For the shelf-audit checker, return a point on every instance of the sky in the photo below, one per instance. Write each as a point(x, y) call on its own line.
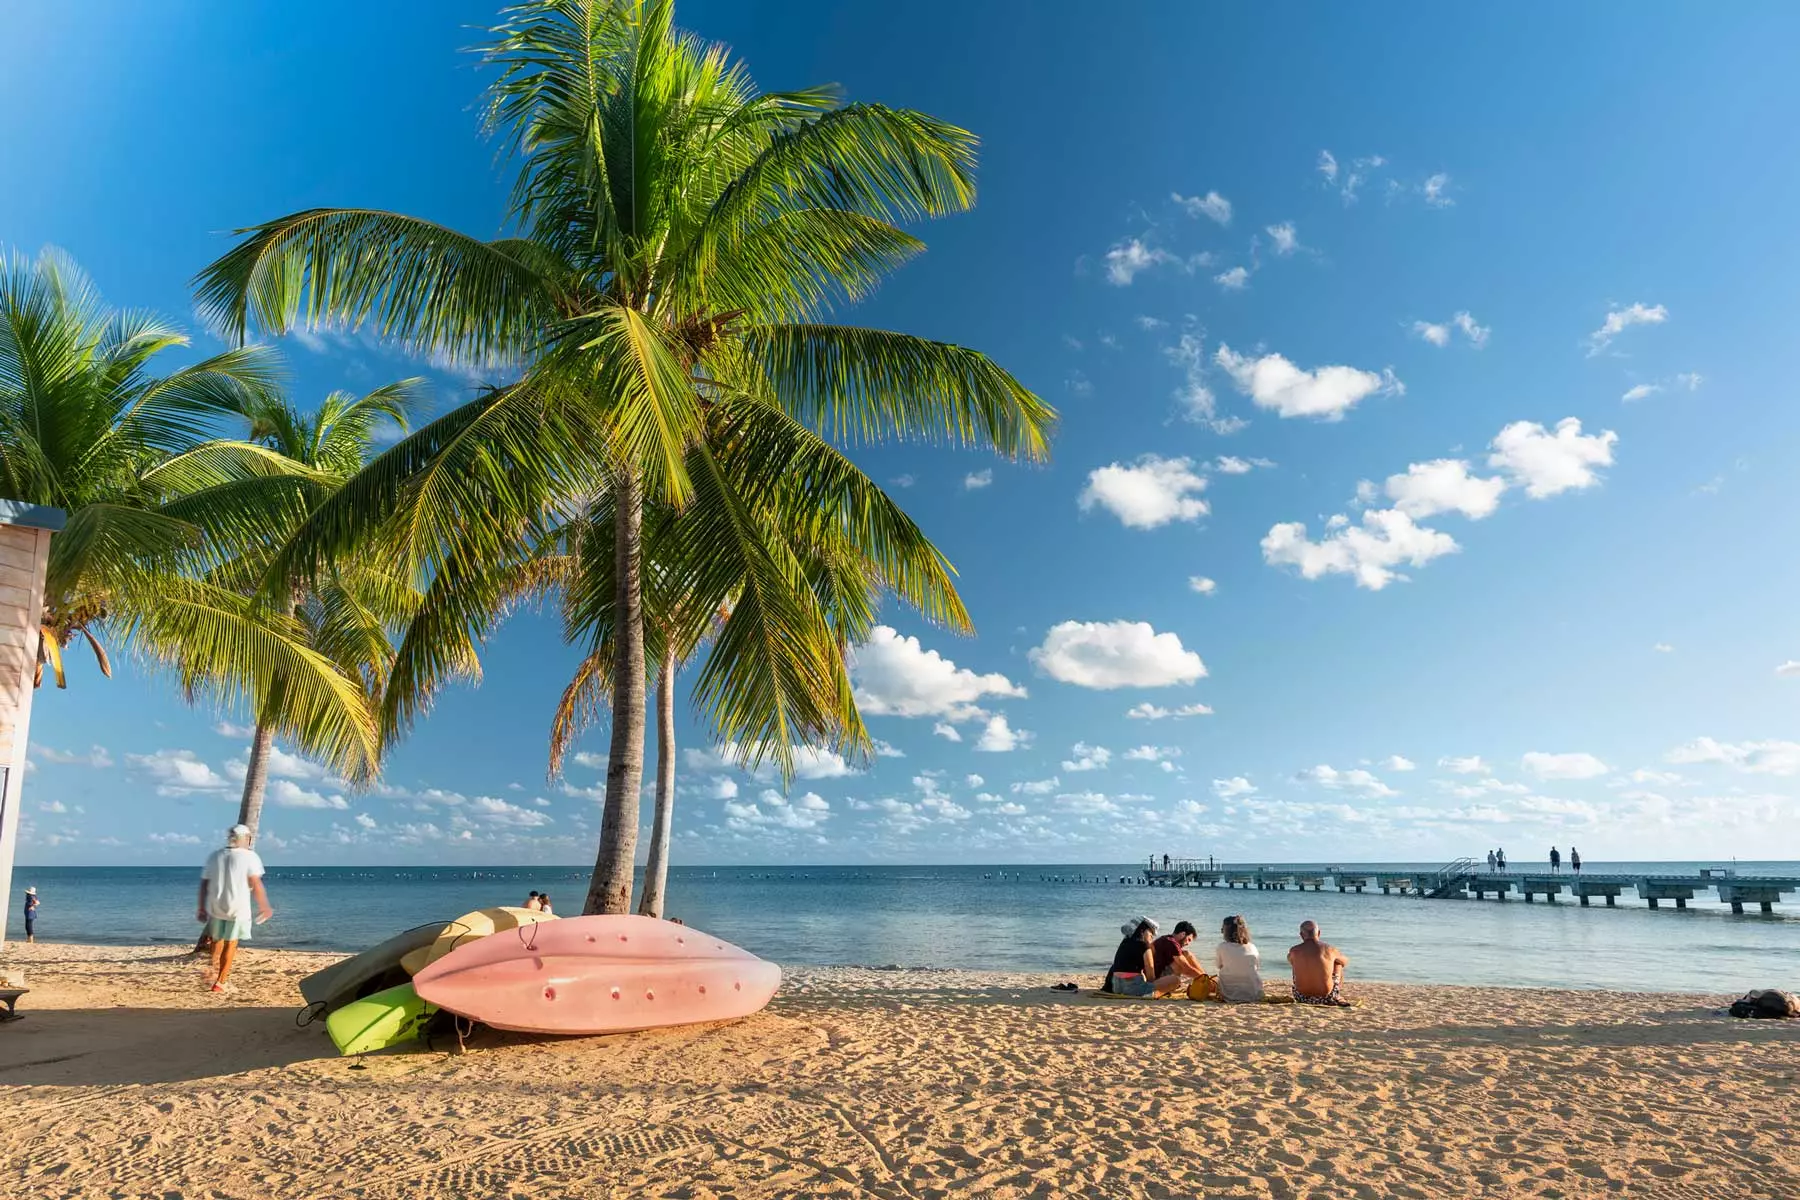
point(1424, 482)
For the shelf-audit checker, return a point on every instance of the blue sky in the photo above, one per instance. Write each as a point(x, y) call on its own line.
point(1358, 276)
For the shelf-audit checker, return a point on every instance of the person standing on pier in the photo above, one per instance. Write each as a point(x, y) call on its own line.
point(1574, 860)
point(1490, 862)
point(1500, 858)
point(1555, 861)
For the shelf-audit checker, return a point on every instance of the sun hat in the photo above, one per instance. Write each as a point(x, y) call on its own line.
point(1130, 927)
point(31, 891)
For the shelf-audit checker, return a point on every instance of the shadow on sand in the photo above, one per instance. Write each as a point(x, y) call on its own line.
point(77, 1047)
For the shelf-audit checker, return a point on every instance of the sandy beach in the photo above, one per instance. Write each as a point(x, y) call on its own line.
point(127, 1080)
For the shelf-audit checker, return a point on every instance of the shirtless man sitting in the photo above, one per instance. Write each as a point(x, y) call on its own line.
point(1318, 969)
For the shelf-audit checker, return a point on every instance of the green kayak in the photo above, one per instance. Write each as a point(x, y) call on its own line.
point(376, 1022)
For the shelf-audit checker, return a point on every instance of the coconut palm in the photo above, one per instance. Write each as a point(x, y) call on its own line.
point(679, 240)
point(88, 425)
point(351, 611)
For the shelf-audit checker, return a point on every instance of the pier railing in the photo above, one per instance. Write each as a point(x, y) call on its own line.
point(1450, 877)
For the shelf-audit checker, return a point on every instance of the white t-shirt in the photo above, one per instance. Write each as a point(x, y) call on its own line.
point(1240, 976)
point(228, 874)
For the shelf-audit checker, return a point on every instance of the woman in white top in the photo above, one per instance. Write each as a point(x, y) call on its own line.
point(1240, 976)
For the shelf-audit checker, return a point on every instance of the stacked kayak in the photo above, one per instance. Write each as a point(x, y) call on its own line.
point(518, 970)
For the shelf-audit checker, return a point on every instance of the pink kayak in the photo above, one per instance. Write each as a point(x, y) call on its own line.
point(598, 975)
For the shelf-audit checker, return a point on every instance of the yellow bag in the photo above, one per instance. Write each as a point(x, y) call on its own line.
point(1203, 988)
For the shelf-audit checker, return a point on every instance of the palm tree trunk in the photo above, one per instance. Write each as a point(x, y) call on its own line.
point(656, 868)
point(256, 777)
point(610, 889)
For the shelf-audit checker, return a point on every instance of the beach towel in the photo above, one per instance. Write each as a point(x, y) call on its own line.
point(1770, 1003)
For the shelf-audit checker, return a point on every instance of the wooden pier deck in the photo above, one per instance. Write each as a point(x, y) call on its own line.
point(1465, 880)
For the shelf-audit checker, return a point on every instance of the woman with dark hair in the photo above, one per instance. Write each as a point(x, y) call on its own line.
point(1239, 962)
point(1133, 970)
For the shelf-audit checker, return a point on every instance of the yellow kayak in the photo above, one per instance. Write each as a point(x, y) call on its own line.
point(483, 922)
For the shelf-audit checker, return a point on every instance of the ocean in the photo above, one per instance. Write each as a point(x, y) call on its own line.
point(1063, 919)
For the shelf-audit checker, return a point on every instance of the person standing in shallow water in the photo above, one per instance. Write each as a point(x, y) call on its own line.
point(31, 911)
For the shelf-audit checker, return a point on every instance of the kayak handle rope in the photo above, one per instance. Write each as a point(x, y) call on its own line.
point(312, 1012)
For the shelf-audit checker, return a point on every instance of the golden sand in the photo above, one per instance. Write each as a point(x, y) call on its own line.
point(127, 1080)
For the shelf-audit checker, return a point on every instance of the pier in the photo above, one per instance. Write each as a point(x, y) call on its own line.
point(1464, 879)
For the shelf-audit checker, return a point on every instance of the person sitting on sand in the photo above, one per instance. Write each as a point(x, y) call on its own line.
point(227, 882)
point(1318, 969)
point(1172, 956)
point(1240, 963)
point(1133, 970)
point(544, 905)
point(535, 903)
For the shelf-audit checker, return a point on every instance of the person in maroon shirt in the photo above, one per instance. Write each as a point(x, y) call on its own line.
point(1172, 956)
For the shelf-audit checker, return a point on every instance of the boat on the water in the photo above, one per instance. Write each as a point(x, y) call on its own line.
point(598, 974)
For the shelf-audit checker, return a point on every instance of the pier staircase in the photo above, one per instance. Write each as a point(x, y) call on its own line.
point(1449, 879)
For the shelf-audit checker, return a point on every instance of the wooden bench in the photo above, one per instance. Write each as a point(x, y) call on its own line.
point(10, 998)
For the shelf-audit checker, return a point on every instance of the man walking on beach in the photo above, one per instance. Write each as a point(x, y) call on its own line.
point(1318, 969)
point(228, 881)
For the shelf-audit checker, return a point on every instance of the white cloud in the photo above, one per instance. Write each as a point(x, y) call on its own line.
point(1663, 648)
point(904, 481)
point(1115, 654)
point(1133, 256)
point(1436, 189)
point(1790, 667)
point(1228, 464)
point(1087, 758)
point(1234, 280)
point(722, 787)
point(1386, 538)
point(810, 762)
point(1640, 391)
point(978, 479)
point(366, 821)
point(1150, 324)
point(1328, 166)
point(1563, 766)
point(1201, 585)
point(1212, 205)
point(1198, 404)
point(1470, 765)
point(1037, 787)
point(173, 839)
point(886, 749)
point(1151, 492)
point(227, 729)
point(1327, 393)
point(1285, 237)
point(1758, 758)
point(806, 813)
point(593, 761)
point(997, 737)
point(1152, 753)
point(894, 675)
point(946, 731)
point(1356, 780)
point(1444, 485)
point(177, 772)
point(285, 793)
point(1152, 712)
point(1439, 335)
point(1618, 320)
point(1010, 809)
point(974, 781)
point(96, 756)
point(1544, 463)
point(1395, 762)
point(1237, 785)
point(1691, 380)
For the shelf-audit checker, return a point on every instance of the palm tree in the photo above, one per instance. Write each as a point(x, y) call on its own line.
point(679, 239)
point(89, 426)
point(349, 612)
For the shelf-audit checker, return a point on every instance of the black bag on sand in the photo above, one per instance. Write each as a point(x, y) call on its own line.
point(1771, 1003)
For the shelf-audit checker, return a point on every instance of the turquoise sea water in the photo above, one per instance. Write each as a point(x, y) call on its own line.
point(1049, 918)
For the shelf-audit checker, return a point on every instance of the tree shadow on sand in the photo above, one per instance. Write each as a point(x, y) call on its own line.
point(87, 1047)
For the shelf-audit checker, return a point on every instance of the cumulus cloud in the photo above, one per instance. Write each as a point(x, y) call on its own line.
point(1153, 712)
point(1212, 206)
point(1036, 787)
point(177, 772)
point(1436, 190)
point(1087, 758)
point(1369, 553)
point(1563, 766)
point(1472, 764)
point(1363, 783)
point(1439, 334)
point(1237, 785)
point(1757, 758)
point(1326, 393)
point(1395, 762)
point(1284, 236)
point(894, 675)
point(1444, 485)
point(1618, 320)
point(997, 737)
point(1790, 667)
point(1151, 492)
point(810, 762)
point(1201, 585)
point(946, 731)
point(1115, 654)
point(95, 756)
point(976, 480)
point(1233, 280)
point(1546, 463)
point(285, 793)
point(1198, 404)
